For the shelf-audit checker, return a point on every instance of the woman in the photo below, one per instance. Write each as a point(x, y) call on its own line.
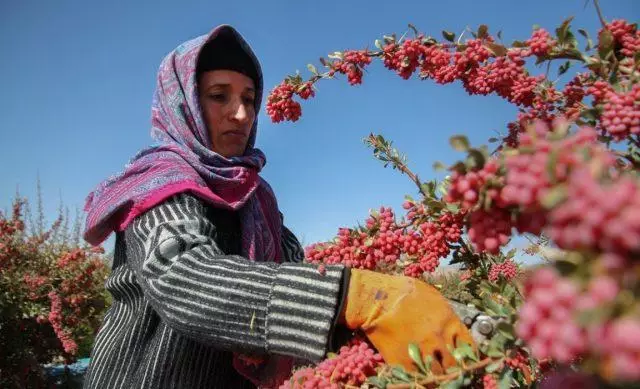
point(207, 284)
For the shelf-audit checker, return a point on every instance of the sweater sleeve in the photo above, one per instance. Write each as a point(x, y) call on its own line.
point(228, 301)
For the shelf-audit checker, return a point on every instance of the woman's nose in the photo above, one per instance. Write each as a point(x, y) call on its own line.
point(240, 112)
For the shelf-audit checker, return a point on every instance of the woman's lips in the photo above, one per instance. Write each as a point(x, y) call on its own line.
point(240, 135)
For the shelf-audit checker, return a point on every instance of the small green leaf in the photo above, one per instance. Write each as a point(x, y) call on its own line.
point(412, 27)
point(312, 69)
point(561, 31)
point(483, 31)
point(499, 34)
point(505, 379)
point(519, 44)
point(448, 35)
point(584, 33)
point(563, 68)
point(378, 382)
point(400, 374)
point(496, 49)
point(605, 43)
point(459, 142)
point(506, 330)
point(493, 366)
point(475, 160)
point(493, 140)
point(589, 45)
point(536, 27)
point(378, 44)
point(416, 356)
point(438, 166)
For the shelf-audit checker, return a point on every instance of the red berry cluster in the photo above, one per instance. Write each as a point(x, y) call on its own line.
point(518, 362)
point(280, 103)
point(352, 64)
point(489, 382)
point(508, 269)
point(621, 115)
point(466, 188)
point(541, 42)
point(55, 318)
point(489, 230)
point(546, 318)
point(353, 364)
point(404, 58)
point(385, 242)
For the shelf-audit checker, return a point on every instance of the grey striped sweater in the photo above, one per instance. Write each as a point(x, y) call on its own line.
point(183, 300)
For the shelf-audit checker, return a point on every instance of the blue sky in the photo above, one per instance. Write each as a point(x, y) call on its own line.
point(77, 79)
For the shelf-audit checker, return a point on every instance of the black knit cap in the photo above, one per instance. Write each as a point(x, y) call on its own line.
point(225, 52)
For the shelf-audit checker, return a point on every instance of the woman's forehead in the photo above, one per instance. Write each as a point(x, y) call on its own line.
point(226, 78)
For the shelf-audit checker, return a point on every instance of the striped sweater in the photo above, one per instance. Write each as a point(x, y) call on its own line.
point(183, 301)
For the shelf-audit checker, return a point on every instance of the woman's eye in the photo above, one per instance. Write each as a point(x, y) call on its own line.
point(218, 97)
point(249, 100)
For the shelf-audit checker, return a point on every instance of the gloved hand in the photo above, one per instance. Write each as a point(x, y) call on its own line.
point(394, 311)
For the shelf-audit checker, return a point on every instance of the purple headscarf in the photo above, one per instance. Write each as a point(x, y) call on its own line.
point(181, 160)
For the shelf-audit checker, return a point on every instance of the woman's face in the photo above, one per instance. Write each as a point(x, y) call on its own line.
point(227, 100)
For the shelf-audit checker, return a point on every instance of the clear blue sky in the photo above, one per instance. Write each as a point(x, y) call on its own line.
point(77, 79)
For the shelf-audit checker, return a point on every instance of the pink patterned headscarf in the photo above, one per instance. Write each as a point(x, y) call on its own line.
point(181, 160)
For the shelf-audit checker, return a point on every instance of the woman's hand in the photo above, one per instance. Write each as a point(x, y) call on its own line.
point(395, 311)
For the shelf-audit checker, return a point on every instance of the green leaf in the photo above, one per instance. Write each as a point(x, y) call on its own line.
point(475, 159)
point(605, 43)
point(448, 35)
point(506, 330)
point(412, 27)
point(483, 31)
point(563, 68)
point(312, 69)
point(535, 27)
point(497, 49)
point(494, 366)
point(378, 44)
point(400, 374)
point(438, 166)
point(416, 356)
point(561, 31)
point(499, 34)
point(584, 33)
point(493, 140)
point(378, 382)
point(554, 196)
point(505, 379)
point(459, 142)
point(519, 44)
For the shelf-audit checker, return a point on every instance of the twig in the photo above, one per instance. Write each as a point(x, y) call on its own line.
point(446, 377)
point(599, 11)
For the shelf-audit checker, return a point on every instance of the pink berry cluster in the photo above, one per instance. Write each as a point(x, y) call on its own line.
point(352, 64)
point(626, 35)
point(404, 58)
point(541, 42)
point(489, 230)
point(280, 103)
point(598, 216)
point(621, 113)
point(465, 188)
point(353, 364)
point(546, 318)
point(489, 382)
point(507, 269)
point(55, 318)
point(548, 324)
point(385, 242)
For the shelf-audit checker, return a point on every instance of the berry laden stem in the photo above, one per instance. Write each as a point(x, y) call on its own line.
point(389, 155)
point(446, 377)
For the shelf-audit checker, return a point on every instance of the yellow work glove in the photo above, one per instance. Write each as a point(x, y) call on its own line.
point(395, 311)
